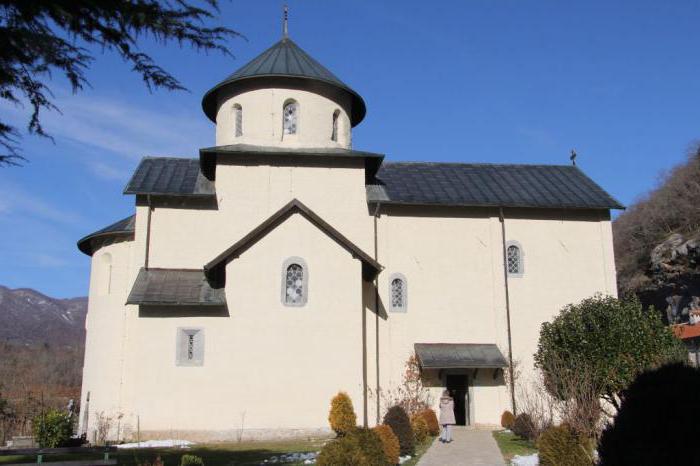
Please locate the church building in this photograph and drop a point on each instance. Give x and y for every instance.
(282, 265)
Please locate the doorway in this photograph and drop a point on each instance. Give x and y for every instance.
(458, 385)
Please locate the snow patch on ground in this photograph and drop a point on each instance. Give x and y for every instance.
(403, 459)
(158, 444)
(529, 460)
(307, 458)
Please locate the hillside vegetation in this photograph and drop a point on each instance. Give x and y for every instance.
(673, 207)
(41, 342)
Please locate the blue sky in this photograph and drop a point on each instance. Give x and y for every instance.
(509, 81)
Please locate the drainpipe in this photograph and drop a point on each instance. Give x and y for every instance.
(376, 307)
(148, 231)
(505, 282)
(364, 361)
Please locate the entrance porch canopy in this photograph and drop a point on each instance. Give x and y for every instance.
(459, 356)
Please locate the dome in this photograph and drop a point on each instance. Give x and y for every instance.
(284, 60)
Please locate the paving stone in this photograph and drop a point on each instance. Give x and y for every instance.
(469, 447)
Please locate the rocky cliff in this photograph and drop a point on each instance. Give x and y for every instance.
(657, 244)
(673, 274)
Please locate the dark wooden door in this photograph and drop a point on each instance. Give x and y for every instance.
(459, 389)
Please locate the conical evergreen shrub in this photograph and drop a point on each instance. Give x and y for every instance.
(398, 420)
(342, 415)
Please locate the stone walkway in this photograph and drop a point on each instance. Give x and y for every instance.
(469, 447)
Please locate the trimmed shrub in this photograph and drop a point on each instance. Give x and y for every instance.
(359, 446)
(398, 420)
(523, 427)
(52, 429)
(390, 443)
(191, 460)
(432, 421)
(507, 419)
(342, 415)
(657, 422)
(420, 428)
(560, 445)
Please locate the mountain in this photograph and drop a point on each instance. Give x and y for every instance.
(29, 317)
(657, 244)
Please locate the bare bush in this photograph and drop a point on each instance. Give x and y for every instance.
(411, 394)
(103, 427)
(576, 403)
(673, 207)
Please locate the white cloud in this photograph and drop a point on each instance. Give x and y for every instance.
(47, 260)
(24, 204)
(120, 127)
(108, 172)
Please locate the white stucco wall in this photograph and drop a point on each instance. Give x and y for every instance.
(262, 119)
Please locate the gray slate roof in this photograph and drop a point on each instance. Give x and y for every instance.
(287, 60)
(174, 287)
(459, 355)
(122, 228)
(170, 176)
(455, 184)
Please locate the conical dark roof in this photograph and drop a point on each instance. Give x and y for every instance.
(285, 59)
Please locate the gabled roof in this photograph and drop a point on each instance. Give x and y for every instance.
(499, 185)
(459, 355)
(370, 267)
(124, 228)
(175, 287)
(170, 176)
(285, 60)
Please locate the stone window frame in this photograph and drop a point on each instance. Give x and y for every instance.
(335, 125)
(521, 264)
(304, 281)
(404, 292)
(237, 120)
(181, 349)
(297, 120)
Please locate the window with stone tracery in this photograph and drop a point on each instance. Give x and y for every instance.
(397, 290)
(190, 347)
(514, 260)
(290, 117)
(294, 282)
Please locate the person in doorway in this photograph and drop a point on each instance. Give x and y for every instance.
(447, 416)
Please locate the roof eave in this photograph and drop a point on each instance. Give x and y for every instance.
(485, 205)
(209, 101)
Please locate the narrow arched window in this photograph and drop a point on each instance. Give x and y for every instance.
(334, 131)
(398, 295)
(295, 281)
(290, 115)
(514, 259)
(238, 120)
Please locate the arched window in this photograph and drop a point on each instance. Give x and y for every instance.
(238, 120)
(290, 115)
(398, 295)
(514, 258)
(334, 131)
(295, 279)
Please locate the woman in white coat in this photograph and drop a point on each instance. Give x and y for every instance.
(447, 416)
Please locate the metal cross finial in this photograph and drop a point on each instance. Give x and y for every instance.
(572, 157)
(285, 31)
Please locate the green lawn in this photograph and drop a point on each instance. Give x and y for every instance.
(511, 445)
(219, 454)
(215, 454)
